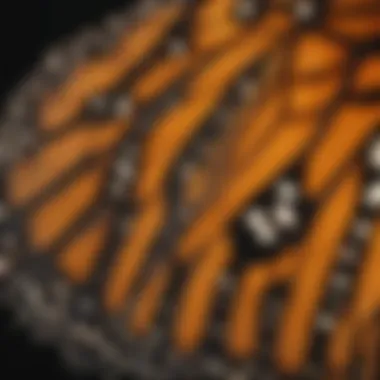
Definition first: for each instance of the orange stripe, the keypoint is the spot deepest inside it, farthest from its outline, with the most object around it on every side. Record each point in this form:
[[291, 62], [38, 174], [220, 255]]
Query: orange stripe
[[132, 255], [78, 259], [96, 77], [196, 301], [287, 144], [58, 214], [243, 328], [28, 178], [213, 24], [319, 254], [174, 130], [349, 129], [366, 301], [314, 53], [314, 97], [260, 125], [356, 26], [161, 75], [149, 302], [367, 76], [244, 318]]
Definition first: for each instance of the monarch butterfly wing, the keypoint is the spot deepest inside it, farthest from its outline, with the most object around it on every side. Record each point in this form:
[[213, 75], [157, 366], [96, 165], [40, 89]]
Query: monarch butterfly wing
[[154, 158], [73, 194]]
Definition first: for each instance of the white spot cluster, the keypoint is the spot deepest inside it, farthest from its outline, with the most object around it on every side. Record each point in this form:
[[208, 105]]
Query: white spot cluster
[[124, 172], [267, 223], [111, 106], [261, 227]]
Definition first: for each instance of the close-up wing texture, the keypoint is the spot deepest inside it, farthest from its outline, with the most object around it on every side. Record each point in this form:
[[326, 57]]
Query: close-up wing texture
[[191, 191]]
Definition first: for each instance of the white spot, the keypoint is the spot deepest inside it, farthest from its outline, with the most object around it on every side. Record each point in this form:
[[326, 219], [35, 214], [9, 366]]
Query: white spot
[[55, 62], [123, 107], [147, 7], [89, 41], [14, 141], [341, 281], [124, 174], [177, 46], [362, 229], [98, 103], [115, 24], [248, 88], [374, 154], [187, 171], [34, 86], [325, 322], [286, 217], [17, 110], [261, 226], [372, 196], [238, 375], [214, 367], [349, 255], [246, 9], [287, 191], [305, 9], [226, 283]]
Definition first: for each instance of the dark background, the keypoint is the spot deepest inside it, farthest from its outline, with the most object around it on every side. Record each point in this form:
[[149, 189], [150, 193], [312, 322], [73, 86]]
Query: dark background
[[27, 28]]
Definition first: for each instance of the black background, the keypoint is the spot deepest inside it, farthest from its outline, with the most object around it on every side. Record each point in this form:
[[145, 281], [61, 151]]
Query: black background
[[27, 28]]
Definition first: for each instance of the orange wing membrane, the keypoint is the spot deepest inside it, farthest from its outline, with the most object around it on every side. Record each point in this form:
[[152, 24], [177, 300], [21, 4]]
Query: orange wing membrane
[[197, 196]]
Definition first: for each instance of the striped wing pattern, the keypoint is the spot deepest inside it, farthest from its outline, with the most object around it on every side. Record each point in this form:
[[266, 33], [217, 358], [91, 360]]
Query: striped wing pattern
[[192, 191]]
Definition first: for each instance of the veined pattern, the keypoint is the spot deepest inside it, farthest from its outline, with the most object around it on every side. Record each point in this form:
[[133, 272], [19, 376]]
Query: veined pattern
[[192, 191]]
